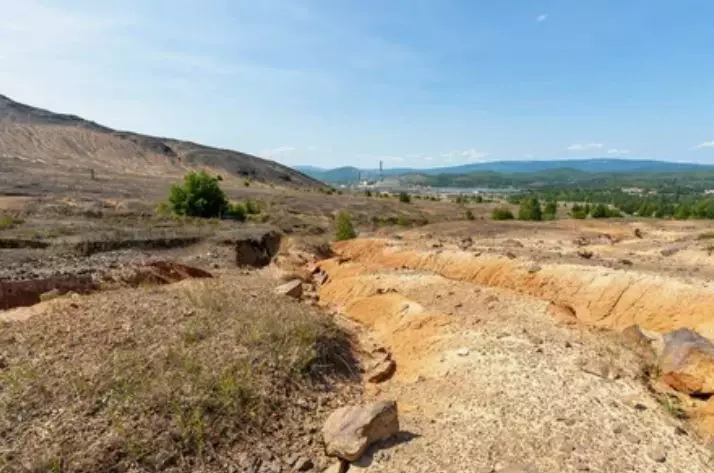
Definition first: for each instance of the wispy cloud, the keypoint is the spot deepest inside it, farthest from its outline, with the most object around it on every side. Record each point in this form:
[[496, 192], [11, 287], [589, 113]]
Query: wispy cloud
[[585, 146], [704, 145], [528, 156], [618, 151], [542, 17], [280, 150], [469, 154]]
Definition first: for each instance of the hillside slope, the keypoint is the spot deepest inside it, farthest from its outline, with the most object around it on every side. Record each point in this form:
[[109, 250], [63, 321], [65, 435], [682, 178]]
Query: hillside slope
[[67, 142]]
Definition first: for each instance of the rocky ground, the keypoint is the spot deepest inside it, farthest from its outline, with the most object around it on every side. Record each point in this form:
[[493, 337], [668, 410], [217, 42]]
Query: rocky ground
[[501, 342]]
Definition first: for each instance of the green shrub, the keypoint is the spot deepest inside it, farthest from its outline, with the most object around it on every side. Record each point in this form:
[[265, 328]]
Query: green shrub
[[252, 207], [530, 210], [345, 230], [7, 222], [198, 196], [236, 212], [246, 183], [579, 212], [470, 215], [551, 210], [501, 213], [603, 211], [368, 193], [403, 221], [404, 198], [163, 209]]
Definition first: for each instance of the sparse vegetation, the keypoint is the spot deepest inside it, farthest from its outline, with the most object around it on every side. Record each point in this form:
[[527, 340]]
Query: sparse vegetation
[[178, 387], [236, 211], [470, 215], [345, 230], [501, 213], [706, 236], [198, 196], [530, 210], [404, 198], [252, 207], [8, 221], [551, 210]]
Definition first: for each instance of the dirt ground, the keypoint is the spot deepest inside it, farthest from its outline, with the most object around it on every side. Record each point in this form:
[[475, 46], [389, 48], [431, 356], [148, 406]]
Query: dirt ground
[[505, 334]]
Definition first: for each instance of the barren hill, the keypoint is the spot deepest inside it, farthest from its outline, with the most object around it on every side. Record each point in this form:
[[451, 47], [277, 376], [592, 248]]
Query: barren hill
[[32, 138]]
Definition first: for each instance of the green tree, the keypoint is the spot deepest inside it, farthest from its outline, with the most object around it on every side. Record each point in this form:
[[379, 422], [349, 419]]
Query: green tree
[[345, 230], [501, 213], [683, 212], [530, 210], [578, 211], [551, 209], [198, 196]]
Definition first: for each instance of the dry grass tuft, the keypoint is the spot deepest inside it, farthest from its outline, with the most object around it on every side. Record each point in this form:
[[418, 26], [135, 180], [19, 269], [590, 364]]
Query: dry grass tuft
[[149, 379]]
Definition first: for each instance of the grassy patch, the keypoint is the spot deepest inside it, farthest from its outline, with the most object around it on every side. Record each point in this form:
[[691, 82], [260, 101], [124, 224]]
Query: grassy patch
[[160, 378], [706, 236], [8, 221]]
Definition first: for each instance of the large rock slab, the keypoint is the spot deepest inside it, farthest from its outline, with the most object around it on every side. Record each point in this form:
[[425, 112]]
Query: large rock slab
[[350, 430], [292, 289], [687, 362]]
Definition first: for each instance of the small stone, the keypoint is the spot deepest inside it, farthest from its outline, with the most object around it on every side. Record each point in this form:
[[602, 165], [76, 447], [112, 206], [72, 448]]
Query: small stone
[[658, 454], [303, 464], [463, 352], [382, 371], [533, 268], [618, 429], [340, 466], [518, 469]]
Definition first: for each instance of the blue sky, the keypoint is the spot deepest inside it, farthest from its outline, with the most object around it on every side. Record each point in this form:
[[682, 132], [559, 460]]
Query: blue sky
[[412, 82]]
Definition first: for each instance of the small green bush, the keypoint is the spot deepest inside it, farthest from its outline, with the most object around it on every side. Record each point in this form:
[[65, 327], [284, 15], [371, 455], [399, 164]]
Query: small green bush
[[550, 210], [404, 198], [579, 212], [198, 196], [500, 213], [236, 212], [530, 210], [470, 215], [402, 221], [7, 222], [345, 230], [252, 207], [368, 193]]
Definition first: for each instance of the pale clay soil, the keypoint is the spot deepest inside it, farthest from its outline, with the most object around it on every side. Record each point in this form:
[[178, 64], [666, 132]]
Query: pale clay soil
[[489, 376]]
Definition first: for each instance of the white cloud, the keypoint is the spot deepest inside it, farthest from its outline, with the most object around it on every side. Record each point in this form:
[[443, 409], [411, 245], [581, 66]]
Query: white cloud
[[704, 145], [542, 17], [468, 154], [428, 158], [273, 152], [618, 151], [528, 156], [585, 147]]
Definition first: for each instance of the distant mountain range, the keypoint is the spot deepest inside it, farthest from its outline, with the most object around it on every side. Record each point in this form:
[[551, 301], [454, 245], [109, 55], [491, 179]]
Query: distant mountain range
[[593, 165]]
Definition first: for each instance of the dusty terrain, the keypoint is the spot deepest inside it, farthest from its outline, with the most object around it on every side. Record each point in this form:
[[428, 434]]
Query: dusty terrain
[[507, 347], [505, 337]]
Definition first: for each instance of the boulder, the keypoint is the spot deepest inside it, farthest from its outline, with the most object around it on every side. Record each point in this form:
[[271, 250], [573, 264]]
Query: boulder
[[687, 362], [292, 289], [638, 338], [349, 430]]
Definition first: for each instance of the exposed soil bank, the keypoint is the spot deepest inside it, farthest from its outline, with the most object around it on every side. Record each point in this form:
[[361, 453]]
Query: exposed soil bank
[[598, 296]]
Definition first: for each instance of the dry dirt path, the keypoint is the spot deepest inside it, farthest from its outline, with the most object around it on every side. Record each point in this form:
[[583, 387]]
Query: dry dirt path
[[487, 378]]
